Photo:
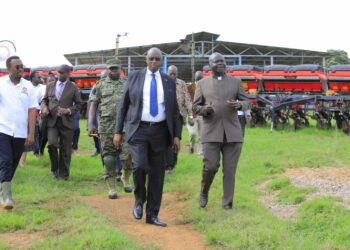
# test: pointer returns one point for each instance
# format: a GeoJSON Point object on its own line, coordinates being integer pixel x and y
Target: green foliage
{"type": "Point", "coordinates": [337, 57]}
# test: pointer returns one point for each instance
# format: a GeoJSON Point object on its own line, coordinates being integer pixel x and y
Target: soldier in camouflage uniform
{"type": "Point", "coordinates": [107, 95]}
{"type": "Point", "coordinates": [185, 107]}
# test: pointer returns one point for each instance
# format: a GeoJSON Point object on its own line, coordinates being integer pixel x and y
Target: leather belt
{"type": "Point", "coordinates": [152, 123]}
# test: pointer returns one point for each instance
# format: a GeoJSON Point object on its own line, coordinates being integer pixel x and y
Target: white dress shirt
{"type": "Point", "coordinates": [15, 100]}
{"type": "Point", "coordinates": [146, 115]}
{"type": "Point", "coordinates": [39, 93]}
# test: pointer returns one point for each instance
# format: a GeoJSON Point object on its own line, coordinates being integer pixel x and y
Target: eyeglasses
{"type": "Point", "coordinates": [157, 59]}
{"type": "Point", "coordinates": [20, 66]}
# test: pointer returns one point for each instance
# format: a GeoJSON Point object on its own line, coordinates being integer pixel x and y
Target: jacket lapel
{"type": "Point", "coordinates": [142, 80]}
{"type": "Point", "coordinates": [165, 89]}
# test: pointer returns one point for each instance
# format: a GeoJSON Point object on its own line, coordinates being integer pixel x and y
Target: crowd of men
{"type": "Point", "coordinates": [136, 123]}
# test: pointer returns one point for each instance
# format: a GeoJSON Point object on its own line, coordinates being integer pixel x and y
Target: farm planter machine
{"type": "Point", "coordinates": [280, 93]}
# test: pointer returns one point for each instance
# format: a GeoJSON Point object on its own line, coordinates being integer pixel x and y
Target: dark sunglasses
{"type": "Point", "coordinates": [154, 59]}
{"type": "Point", "coordinates": [20, 66]}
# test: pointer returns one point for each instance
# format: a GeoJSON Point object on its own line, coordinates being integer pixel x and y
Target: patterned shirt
{"type": "Point", "coordinates": [183, 98]}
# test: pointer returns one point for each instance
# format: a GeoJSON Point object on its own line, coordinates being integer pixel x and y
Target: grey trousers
{"type": "Point", "coordinates": [230, 156]}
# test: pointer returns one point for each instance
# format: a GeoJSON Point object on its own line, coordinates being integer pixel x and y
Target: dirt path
{"type": "Point", "coordinates": [20, 239]}
{"type": "Point", "coordinates": [175, 236]}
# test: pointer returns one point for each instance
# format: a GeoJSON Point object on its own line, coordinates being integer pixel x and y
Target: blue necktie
{"type": "Point", "coordinates": [153, 97]}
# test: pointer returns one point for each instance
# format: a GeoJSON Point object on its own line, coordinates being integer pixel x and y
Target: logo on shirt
{"type": "Point", "coordinates": [24, 91]}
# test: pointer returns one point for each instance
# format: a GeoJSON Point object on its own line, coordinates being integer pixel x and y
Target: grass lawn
{"type": "Point", "coordinates": [53, 207]}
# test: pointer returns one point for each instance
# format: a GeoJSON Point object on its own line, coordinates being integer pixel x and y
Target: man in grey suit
{"type": "Point", "coordinates": [218, 98]}
{"type": "Point", "coordinates": [152, 123]}
{"type": "Point", "coordinates": [62, 99]}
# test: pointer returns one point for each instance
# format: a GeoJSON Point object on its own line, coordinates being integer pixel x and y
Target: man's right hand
{"type": "Point", "coordinates": [92, 130]}
{"type": "Point", "coordinates": [117, 141]}
{"type": "Point", "coordinates": [45, 111]}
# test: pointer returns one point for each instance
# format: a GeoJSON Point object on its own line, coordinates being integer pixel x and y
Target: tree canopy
{"type": "Point", "coordinates": [337, 57]}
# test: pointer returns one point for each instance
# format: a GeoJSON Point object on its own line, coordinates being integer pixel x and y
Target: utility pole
{"type": "Point", "coordinates": [192, 59]}
{"type": "Point", "coordinates": [117, 43]}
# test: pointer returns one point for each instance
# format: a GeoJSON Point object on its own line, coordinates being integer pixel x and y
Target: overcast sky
{"type": "Point", "coordinates": [44, 30]}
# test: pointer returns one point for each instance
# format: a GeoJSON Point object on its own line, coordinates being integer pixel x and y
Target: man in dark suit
{"type": "Point", "coordinates": [218, 98]}
{"type": "Point", "coordinates": [62, 99]}
{"type": "Point", "coordinates": [152, 124]}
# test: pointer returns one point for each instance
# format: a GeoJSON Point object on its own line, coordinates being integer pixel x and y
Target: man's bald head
{"type": "Point", "coordinates": [172, 71]}
{"type": "Point", "coordinates": [198, 75]}
{"type": "Point", "coordinates": [217, 64]}
{"type": "Point", "coordinates": [154, 59]}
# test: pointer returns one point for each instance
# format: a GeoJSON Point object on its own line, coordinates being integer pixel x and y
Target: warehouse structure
{"type": "Point", "coordinates": [192, 53]}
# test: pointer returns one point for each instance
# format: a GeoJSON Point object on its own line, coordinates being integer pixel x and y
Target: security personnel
{"type": "Point", "coordinates": [185, 108]}
{"type": "Point", "coordinates": [107, 95]}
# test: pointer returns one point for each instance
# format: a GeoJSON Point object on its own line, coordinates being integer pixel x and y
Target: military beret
{"type": "Point", "coordinates": [113, 63]}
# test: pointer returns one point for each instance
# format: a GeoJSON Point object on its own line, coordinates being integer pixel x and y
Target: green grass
{"type": "Point", "coordinates": [289, 194]}
{"type": "Point", "coordinates": [51, 206]}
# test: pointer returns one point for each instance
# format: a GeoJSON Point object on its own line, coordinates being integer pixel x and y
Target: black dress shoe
{"type": "Point", "coordinates": [203, 200]}
{"type": "Point", "coordinates": [155, 221]}
{"type": "Point", "coordinates": [138, 212]}
{"type": "Point", "coordinates": [128, 189]}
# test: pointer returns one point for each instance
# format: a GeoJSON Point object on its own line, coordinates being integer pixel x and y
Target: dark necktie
{"type": "Point", "coordinates": [153, 97]}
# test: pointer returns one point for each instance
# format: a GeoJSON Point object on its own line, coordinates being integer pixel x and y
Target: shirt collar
{"type": "Point", "coordinates": [157, 73]}
{"type": "Point", "coordinates": [59, 82]}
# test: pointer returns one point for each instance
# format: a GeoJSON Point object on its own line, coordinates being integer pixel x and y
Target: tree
{"type": "Point", "coordinates": [337, 57]}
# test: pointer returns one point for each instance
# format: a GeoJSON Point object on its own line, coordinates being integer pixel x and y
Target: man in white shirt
{"type": "Point", "coordinates": [17, 109]}
{"type": "Point", "coordinates": [39, 91]}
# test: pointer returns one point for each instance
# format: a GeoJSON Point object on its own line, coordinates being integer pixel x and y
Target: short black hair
{"type": "Point", "coordinates": [32, 75]}
{"type": "Point", "coordinates": [26, 77]}
{"type": "Point", "coordinates": [9, 60]}
{"type": "Point", "coordinates": [64, 68]}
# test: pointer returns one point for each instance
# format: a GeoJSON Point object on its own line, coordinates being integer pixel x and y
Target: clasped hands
{"type": "Point", "coordinates": [63, 111]}
{"type": "Point", "coordinates": [234, 104]}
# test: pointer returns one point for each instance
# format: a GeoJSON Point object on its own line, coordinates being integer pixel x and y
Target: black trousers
{"type": "Point", "coordinates": [171, 158]}
{"type": "Point", "coordinates": [43, 134]}
{"type": "Point", "coordinates": [76, 135]}
{"type": "Point", "coordinates": [11, 150]}
{"type": "Point", "coordinates": [148, 147]}
{"type": "Point", "coordinates": [243, 122]}
{"type": "Point", "coordinates": [97, 144]}
{"type": "Point", "coordinates": [60, 137]}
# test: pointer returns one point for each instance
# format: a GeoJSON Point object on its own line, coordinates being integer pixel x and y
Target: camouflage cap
{"type": "Point", "coordinates": [113, 63]}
